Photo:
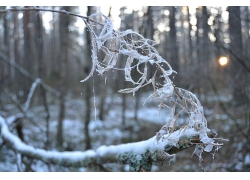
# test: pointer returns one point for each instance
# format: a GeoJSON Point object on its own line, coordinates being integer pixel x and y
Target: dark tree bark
{"type": "Point", "coordinates": [64, 38]}
{"type": "Point", "coordinates": [27, 58]}
{"type": "Point", "coordinates": [190, 38]}
{"type": "Point", "coordinates": [246, 35]}
{"type": "Point", "coordinates": [217, 34]}
{"type": "Point", "coordinates": [2, 49]}
{"type": "Point", "coordinates": [174, 45]}
{"type": "Point", "coordinates": [205, 45]}
{"type": "Point", "coordinates": [219, 73]}
{"type": "Point", "coordinates": [149, 33]}
{"type": "Point", "coordinates": [137, 99]}
{"type": "Point", "coordinates": [237, 72]}
{"type": "Point", "coordinates": [198, 52]}
{"type": "Point", "coordinates": [17, 53]}
{"type": "Point", "coordinates": [19, 129]}
{"type": "Point", "coordinates": [7, 45]}
{"type": "Point", "coordinates": [203, 49]}
{"type": "Point", "coordinates": [124, 107]}
{"type": "Point", "coordinates": [55, 50]}
{"type": "Point", "coordinates": [87, 86]}
{"type": "Point", "coordinates": [41, 71]}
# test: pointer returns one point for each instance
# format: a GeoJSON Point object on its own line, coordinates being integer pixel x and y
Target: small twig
{"type": "Point", "coordinates": [31, 93]}
{"type": "Point", "coordinates": [48, 10]}
{"type": "Point", "coordinates": [19, 162]}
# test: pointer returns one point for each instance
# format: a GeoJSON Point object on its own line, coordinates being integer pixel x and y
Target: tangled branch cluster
{"type": "Point", "coordinates": [141, 52]}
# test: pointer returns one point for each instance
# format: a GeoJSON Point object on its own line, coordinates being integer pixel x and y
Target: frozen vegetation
{"type": "Point", "coordinates": [176, 119]}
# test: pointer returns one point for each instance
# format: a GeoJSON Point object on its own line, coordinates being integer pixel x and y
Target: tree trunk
{"type": "Point", "coordinates": [7, 50]}
{"type": "Point", "coordinates": [199, 42]}
{"type": "Point", "coordinates": [87, 86]}
{"type": "Point", "coordinates": [137, 103]}
{"type": "Point", "coordinates": [64, 38]}
{"type": "Point", "coordinates": [102, 110]}
{"type": "Point", "coordinates": [149, 33]}
{"type": "Point", "coordinates": [238, 74]}
{"type": "Point", "coordinates": [27, 58]}
{"type": "Point", "coordinates": [41, 72]}
{"type": "Point", "coordinates": [205, 45]}
{"type": "Point", "coordinates": [124, 95]}
{"type": "Point", "coordinates": [17, 54]}
{"type": "Point", "coordinates": [190, 38]}
{"type": "Point", "coordinates": [174, 45]}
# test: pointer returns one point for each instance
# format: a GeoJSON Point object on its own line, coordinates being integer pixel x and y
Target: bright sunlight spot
{"type": "Point", "coordinates": [223, 61]}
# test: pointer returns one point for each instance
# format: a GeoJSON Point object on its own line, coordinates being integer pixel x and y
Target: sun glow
{"type": "Point", "coordinates": [223, 61]}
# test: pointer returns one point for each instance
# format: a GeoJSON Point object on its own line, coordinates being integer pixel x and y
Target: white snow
{"type": "Point", "coordinates": [247, 159]}
{"type": "Point", "coordinates": [140, 147]}
{"type": "Point", "coordinates": [136, 147]}
{"type": "Point", "coordinates": [19, 145]}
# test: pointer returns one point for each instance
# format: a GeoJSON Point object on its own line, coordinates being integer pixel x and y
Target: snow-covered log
{"type": "Point", "coordinates": [139, 155]}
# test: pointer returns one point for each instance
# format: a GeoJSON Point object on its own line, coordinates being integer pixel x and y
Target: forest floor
{"type": "Point", "coordinates": [110, 131]}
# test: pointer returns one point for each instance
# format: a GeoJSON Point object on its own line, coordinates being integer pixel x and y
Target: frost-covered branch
{"type": "Point", "coordinates": [140, 52]}
{"type": "Point", "coordinates": [28, 100]}
{"type": "Point", "coordinates": [139, 155]}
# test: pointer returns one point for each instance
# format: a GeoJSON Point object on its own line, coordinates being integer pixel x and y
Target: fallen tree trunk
{"type": "Point", "coordinates": [139, 155]}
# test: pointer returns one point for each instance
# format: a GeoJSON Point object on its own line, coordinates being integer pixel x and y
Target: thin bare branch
{"type": "Point", "coordinates": [15, 9]}
{"type": "Point", "coordinates": [19, 68]}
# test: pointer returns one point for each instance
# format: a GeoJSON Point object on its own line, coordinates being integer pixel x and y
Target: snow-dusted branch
{"type": "Point", "coordinates": [32, 89]}
{"type": "Point", "coordinates": [139, 155]}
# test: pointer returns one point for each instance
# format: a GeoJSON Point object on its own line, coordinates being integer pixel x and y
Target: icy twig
{"type": "Point", "coordinates": [19, 162]}
{"type": "Point", "coordinates": [32, 89]}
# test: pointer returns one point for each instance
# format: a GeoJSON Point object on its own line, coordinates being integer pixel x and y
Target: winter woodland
{"type": "Point", "coordinates": [166, 91]}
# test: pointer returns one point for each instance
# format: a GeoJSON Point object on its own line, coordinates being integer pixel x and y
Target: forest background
{"type": "Point", "coordinates": [209, 47]}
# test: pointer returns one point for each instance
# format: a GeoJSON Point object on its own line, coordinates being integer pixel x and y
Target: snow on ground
{"type": "Point", "coordinates": [107, 132]}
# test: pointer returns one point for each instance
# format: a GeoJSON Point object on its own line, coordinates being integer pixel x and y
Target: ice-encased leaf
{"type": "Point", "coordinates": [205, 139]}
{"type": "Point", "coordinates": [94, 60]}
{"type": "Point", "coordinates": [106, 32]}
{"type": "Point", "coordinates": [198, 150]}
{"type": "Point", "coordinates": [151, 62]}
{"type": "Point", "coordinates": [209, 148]}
